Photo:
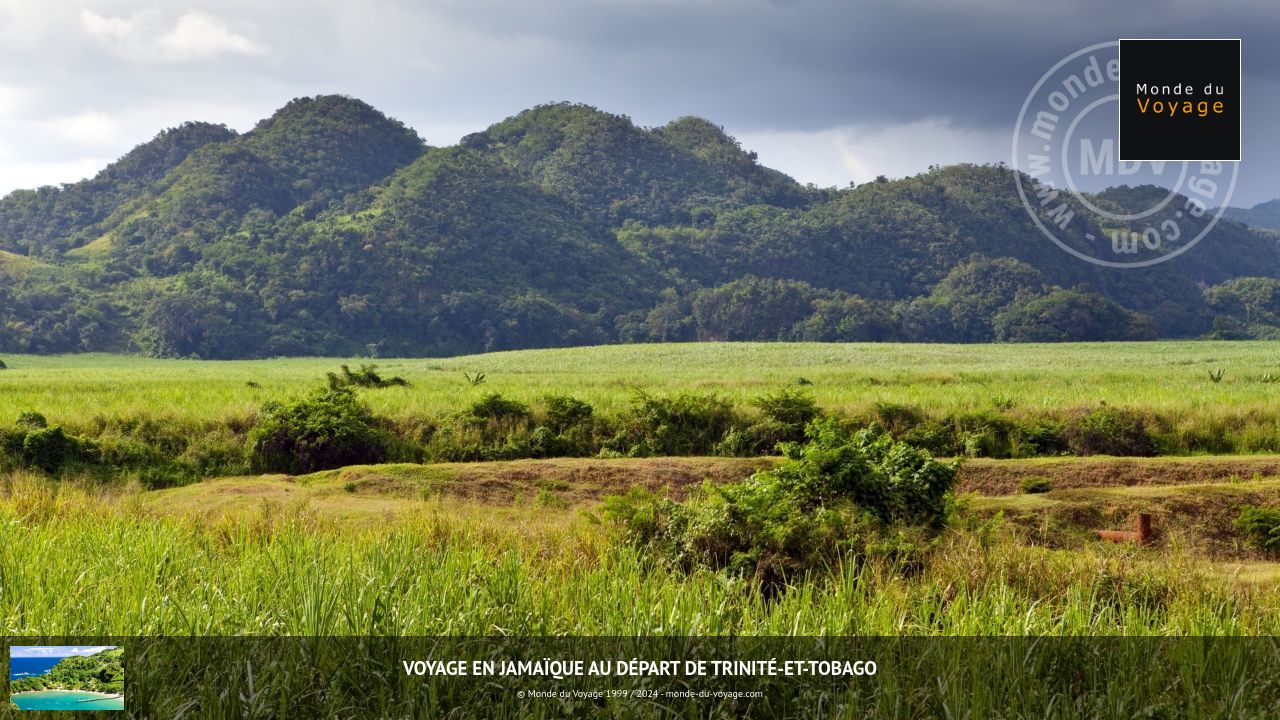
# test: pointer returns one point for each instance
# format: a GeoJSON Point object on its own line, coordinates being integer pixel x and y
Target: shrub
{"type": "Point", "coordinates": [366, 377]}
{"type": "Point", "coordinates": [34, 443]}
{"type": "Point", "coordinates": [1260, 527]}
{"type": "Point", "coordinates": [49, 448]}
{"type": "Point", "coordinates": [898, 417]}
{"type": "Point", "coordinates": [569, 430]}
{"type": "Point", "coordinates": [146, 459]}
{"type": "Point", "coordinates": [684, 424]}
{"type": "Point", "coordinates": [1035, 484]}
{"type": "Point", "coordinates": [543, 442]}
{"type": "Point", "coordinates": [492, 428]}
{"type": "Point", "coordinates": [788, 406]}
{"type": "Point", "coordinates": [328, 429]}
{"type": "Point", "coordinates": [985, 434]}
{"type": "Point", "coordinates": [458, 441]}
{"type": "Point", "coordinates": [840, 492]}
{"type": "Point", "coordinates": [785, 415]}
{"type": "Point", "coordinates": [3, 366]}
{"type": "Point", "coordinates": [1109, 431]}
{"type": "Point", "coordinates": [495, 407]}
{"type": "Point", "coordinates": [11, 446]}
{"type": "Point", "coordinates": [1043, 436]}
{"type": "Point", "coordinates": [936, 436]}
{"type": "Point", "coordinates": [760, 438]}
{"type": "Point", "coordinates": [32, 420]}
{"type": "Point", "coordinates": [565, 413]}
{"type": "Point", "coordinates": [504, 435]}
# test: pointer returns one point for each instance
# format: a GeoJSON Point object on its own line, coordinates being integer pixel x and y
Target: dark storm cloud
{"type": "Point", "coordinates": [86, 80]}
{"type": "Point", "coordinates": [809, 65]}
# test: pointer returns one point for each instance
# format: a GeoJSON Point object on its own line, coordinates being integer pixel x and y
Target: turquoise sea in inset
{"type": "Point", "coordinates": [65, 700]}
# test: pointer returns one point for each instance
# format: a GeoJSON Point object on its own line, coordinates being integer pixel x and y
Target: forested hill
{"type": "Point", "coordinates": [331, 229]}
{"type": "Point", "coordinates": [1263, 215]}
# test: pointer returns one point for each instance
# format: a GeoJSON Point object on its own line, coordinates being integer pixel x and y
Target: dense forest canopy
{"type": "Point", "coordinates": [332, 229]}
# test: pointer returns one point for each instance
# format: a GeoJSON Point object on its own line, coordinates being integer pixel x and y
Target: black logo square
{"type": "Point", "coordinates": [1179, 100]}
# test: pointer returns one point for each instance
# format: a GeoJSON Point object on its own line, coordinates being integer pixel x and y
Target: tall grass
{"type": "Point", "coordinates": [79, 562]}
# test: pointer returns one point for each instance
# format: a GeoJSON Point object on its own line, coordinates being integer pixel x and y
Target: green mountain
{"type": "Point", "coordinates": [607, 168]}
{"type": "Point", "coordinates": [31, 220]}
{"type": "Point", "coordinates": [1263, 215]}
{"type": "Point", "coordinates": [331, 229]}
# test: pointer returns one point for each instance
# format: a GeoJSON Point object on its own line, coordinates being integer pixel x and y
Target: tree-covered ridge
{"type": "Point", "coordinates": [31, 220]}
{"type": "Point", "coordinates": [331, 229]}
{"type": "Point", "coordinates": [610, 169]}
{"type": "Point", "coordinates": [1263, 215]}
{"type": "Point", "coordinates": [102, 672]}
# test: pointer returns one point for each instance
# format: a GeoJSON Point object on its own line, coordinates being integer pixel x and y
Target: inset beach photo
{"type": "Point", "coordinates": [66, 677]}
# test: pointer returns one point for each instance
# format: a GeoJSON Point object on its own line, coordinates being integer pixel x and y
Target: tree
{"type": "Point", "coordinates": [1071, 315]}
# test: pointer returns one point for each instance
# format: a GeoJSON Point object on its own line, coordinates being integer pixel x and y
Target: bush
{"type": "Point", "coordinates": [786, 413]}
{"type": "Point", "coordinates": [898, 417]}
{"type": "Point", "coordinates": [1109, 431]}
{"type": "Point", "coordinates": [1043, 436]}
{"type": "Point", "coordinates": [573, 426]}
{"type": "Point", "coordinates": [789, 407]}
{"type": "Point", "coordinates": [542, 442]}
{"type": "Point", "coordinates": [49, 448]}
{"type": "Point", "coordinates": [3, 366]}
{"type": "Point", "coordinates": [985, 434]}
{"type": "Point", "coordinates": [32, 420]}
{"type": "Point", "coordinates": [495, 428]}
{"type": "Point", "coordinates": [495, 407]}
{"type": "Point", "coordinates": [366, 377]}
{"type": "Point", "coordinates": [11, 446]}
{"type": "Point", "coordinates": [565, 413]}
{"type": "Point", "coordinates": [684, 424]}
{"type": "Point", "coordinates": [1035, 484]}
{"type": "Point", "coordinates": [761, 438]}
{"type": "Point", "coordinates": [328, 429]}
{"type": "Point", "coordinates": [34, 443]}
{"type": "Point", "coordinates": [1260, 527]}
{"type": "Point", "coordinates": [840, 492]}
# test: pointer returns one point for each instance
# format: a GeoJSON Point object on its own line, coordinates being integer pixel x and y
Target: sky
{"type": "Point", "coordinates": [828, 91]}
{"type": "Point", "coordinates": [58, 651]}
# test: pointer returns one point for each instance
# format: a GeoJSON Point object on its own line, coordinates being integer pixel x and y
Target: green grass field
{"type": "Point", "coordinates": [519, 548]}
{"type": "Point", "coordinates": [1171, 377]}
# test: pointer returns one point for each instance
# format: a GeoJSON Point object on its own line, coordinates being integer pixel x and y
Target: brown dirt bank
{"type": "Point", "coordinates": [1001, 477]}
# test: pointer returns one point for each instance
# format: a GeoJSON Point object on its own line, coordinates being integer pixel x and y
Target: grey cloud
{"type": "Point", "coordinates": [753, 65]}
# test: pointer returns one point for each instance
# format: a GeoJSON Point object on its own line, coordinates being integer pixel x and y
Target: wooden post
{"type": "Point", "coordinates": [1144, 528]}
{"type": "Point", "coordinates": [1142, 535]}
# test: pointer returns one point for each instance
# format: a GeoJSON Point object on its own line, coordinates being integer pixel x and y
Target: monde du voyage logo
{"type": "Point", "coordinates": [1127, 150]}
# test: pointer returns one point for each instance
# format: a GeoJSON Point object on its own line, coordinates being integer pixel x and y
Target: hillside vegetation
{"type": "Point", "coordinates": [331, 229]}
{"type": "Point", "coordinates": [1263, 215]}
